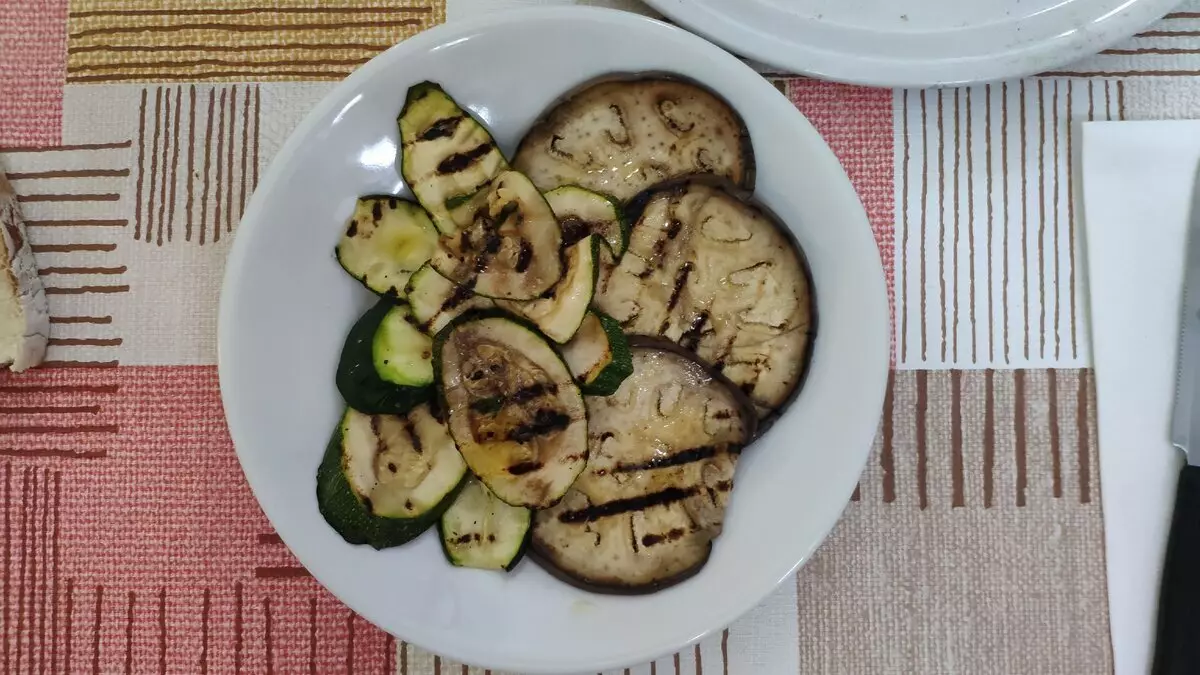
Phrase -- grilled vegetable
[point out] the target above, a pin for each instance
(721, 278)
(513, 408)
(663, 448)
(386, 240)
(598, 355)
(447, 157)
(621, 137)
(402, 354)
(435, 300)
(357, 379)
(511, 248)
(560, 312)
(479, 530)
(581, 211)
(384, 479)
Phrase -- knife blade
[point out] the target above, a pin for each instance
(1177, 643)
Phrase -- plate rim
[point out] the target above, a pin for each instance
(236, 264)
(1023, 61)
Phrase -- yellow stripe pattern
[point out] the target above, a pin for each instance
(234, 40)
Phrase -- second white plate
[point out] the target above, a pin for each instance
(916, 43)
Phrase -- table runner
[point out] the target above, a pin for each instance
(135, 132)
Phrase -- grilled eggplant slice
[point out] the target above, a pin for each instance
(620, 137)
(721, 278)
(359, 382)
(513, 408)
(447, 157)
(663, 449)
(386, 240)
(511, 249)
(563, 308)
(582, 212)
(480, 531)
(386, 479)
(598, 355)
(436, 301)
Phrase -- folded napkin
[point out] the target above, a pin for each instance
(1138, 179)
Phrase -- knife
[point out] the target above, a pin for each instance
(1177, 645)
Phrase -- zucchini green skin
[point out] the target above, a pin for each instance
(357, 380)
(351, 519)
(609, 380)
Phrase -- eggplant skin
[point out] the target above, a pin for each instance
(624, 133)
(545, 559)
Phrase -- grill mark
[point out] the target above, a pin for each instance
(574, 229)
(376, 212)
(524, 257)
(672, 535)
(691, 337)
(616, 109)
(441, 128)
(544, 422)
(680, 458)
(522, 468)
(531, 392)
(415, 440)
(680, 280)
(620, 506)
(673, 228)
(460, 161)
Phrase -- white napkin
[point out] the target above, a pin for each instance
(1138, 179)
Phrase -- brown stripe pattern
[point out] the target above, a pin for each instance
(1170, 48)
(984, 439)
(209, 41)
(32, 586)
(966, 564)
(989, 275)
(198, 152)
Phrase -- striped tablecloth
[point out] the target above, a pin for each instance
(134, 133)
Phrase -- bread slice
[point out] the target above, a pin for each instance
(24, 316)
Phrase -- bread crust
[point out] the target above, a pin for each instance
(18, 269)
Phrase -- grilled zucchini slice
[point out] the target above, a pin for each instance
(581, 211)
(480, 531)
(402, 354)
(620, 137)
(386, 240)
(436, 301)
(663, 452)
(511, 249)
(513, 407)
(446, 157)
(386, 479)
(598, 355)
(559, 313)
(360, 383)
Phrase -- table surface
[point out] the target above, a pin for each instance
(134, 134)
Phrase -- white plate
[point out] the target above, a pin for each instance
(286, 307)
(901, 43)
